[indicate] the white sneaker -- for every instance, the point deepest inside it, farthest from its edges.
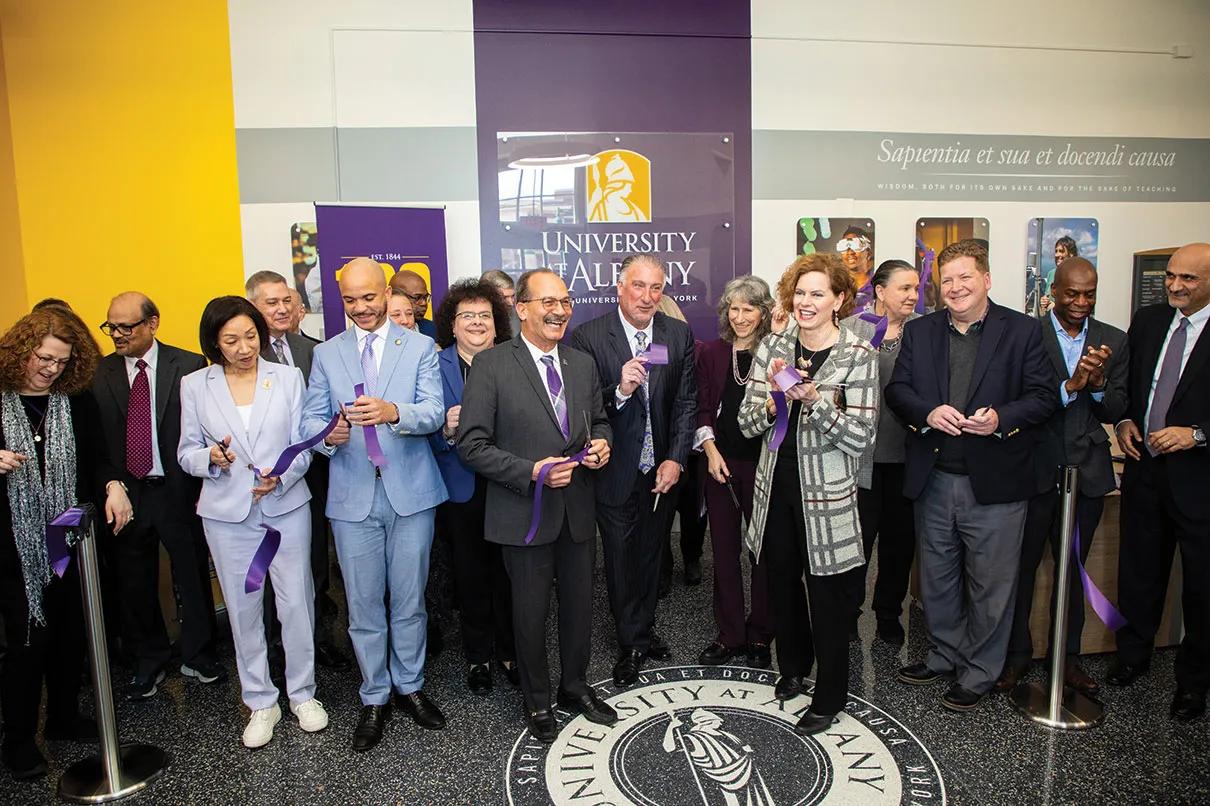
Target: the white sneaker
(260, 727)
(311, 715)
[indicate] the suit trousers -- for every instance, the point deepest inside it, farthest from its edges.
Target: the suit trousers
(693, 524)
(386, 552)
(812, 625)
(886, 515)
(1152, 528)
(632, 538)
(485, 599)
(160, 517)
(532, 571)
(1043, 524)
(969, 554)
(727, 544)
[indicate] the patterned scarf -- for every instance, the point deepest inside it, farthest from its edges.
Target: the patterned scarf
(34, 498)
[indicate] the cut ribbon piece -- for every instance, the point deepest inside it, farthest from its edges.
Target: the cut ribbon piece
(880, 326)
(291, 453)
(541, 482)
(656, 354)
(265, 553)
(373, 448)
(1101, 605)
(56, 539)
(788, 378)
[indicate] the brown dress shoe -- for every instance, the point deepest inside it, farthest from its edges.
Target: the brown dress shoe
(1077, 678)
(1009, 679)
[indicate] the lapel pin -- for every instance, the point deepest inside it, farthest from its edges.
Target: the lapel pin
(398, 342)
(268, 383)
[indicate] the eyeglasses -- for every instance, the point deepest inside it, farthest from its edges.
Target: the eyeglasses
(418, 297)
(856, 244)
(109, 328)
(470, 316)
(47, 361)
(550, 303)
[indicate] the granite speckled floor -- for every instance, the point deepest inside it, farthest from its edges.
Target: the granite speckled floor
(991, 756)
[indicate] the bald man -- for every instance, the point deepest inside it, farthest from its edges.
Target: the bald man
(412, 286)
(137, 388)
(1089, 360)
(1164, 483)
(381, 513)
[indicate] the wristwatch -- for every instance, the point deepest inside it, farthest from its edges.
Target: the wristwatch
(1199, 436)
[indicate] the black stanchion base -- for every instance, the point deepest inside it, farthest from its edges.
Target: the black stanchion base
(86, 782)
(1075, 712)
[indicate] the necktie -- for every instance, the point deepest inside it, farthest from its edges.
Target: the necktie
(556, 394)
(279, 347)
(369, 369)
(1170, 376)
(138, 424)
(647, 456)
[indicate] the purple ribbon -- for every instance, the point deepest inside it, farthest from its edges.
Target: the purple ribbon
(1104, 609)
(656, 354)
(56, 539)
(880, 326)
(265, 553)
(786, 379)
(291, 453)
(541, 482)
(372, 447)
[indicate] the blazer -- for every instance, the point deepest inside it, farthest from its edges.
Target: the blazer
(459, 479)
(301, 349)
(831, 441)
(409, 378)
(507, 424)
(1021, 388)
(1073, 435)
(111, 388)
(1188, 472)
(713, 367)
(208, 414)
(673, 390)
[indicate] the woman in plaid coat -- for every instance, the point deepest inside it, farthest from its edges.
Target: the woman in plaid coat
(805, 516)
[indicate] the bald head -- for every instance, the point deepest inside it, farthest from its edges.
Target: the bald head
(363, 290)
(1187, 279)
(134, 319)
(1074, 291)
(1075, 266)
(412, 286)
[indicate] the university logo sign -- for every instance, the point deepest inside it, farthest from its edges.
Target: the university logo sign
(716, 736)
(619, 188)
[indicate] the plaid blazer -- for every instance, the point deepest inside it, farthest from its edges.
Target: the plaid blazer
(830, 446)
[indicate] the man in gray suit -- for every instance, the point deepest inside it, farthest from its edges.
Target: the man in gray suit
(529, 403)
(274, 298)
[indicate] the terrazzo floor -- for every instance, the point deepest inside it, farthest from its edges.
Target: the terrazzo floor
(991, 756)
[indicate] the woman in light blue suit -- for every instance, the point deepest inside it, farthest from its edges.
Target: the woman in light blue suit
(236, 416)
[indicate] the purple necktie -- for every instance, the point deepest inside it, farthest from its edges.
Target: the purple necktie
(369, 367)
(138, 424)
(1165, 387)
(556, 393)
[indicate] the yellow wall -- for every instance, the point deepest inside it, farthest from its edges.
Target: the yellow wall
(123, 143)
(12, 272)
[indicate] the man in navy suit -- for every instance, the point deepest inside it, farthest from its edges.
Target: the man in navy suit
(971, 383)
(651, 409)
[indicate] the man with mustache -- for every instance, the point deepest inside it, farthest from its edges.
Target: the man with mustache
(651, 408)
(1167, 474)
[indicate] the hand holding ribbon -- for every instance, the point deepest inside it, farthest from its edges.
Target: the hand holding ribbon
(783, 378)
(373, 448)
(558, 468)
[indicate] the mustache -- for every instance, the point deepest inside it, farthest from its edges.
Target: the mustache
(555, 319)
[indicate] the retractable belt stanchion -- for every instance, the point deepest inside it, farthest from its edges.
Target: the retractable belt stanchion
(1055, 706)
(117, 770)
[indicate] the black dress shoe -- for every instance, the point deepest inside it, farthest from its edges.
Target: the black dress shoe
(811, 723)
(369, 729)
(511, 673)
(718, 653)
(659, 648)
(479, 678)
(23, 759)
(590, 705)
(1187, 706)
(788, 687)
(1009, 678)
(693, 573)
(759, 656)
(76, 729)
(958, 698)
(423, 711)
(890, 631)
(626, 670)
(542, 726)
(329, 657)
(918, 674)
(1124, 674)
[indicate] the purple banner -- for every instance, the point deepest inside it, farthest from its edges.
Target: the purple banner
(397, 237)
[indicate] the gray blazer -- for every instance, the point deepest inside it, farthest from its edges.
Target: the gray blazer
(831, 443)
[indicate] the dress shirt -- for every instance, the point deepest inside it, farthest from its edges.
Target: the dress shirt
(285, 348)
(630, 329)
(1197, 323)
(151, 357)
(380, 343)
(1073, 350)
(537, 356)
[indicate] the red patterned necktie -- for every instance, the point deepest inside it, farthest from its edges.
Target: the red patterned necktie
(138, 424)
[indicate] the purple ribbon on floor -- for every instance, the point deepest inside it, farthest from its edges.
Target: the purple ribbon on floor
(265, 553)
(291, 453)
(372, 447)
(541, 482)
(656, 354)
(786, 379)
(880, 325)
(56, 539)
(1100, 604)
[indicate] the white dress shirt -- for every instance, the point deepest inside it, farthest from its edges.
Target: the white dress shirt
(152, 357)
(631, 330)
(1197, 323)
(380, 343)
(537, 356)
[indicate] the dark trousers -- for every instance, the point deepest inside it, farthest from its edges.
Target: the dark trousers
(632, 537)
(160, 517)
(1152, 528)
(727, 542)
(531, 572)
(812, 625)
(485, 600)
(54, 651)
(886, 514)
(693, 525)
(1043, 524)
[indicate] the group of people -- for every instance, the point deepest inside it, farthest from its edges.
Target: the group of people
(819, 433)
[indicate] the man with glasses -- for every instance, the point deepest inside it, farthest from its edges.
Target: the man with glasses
(651, 407)
(412, 286)
(137, 389)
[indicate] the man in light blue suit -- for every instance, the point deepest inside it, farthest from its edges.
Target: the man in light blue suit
(382, 517)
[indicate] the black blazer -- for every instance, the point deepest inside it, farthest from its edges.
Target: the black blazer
(1011, 375)
(673, 391)
(507, 424)
(1188, 472)
(111, 388)
(301, 348)
(1073, 435)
